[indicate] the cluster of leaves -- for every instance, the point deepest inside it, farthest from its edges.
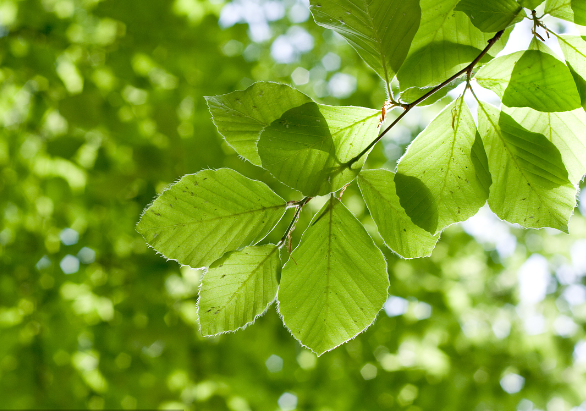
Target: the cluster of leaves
(525, 159)
(122, 331)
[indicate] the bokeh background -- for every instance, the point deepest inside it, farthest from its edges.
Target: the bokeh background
(101, 107)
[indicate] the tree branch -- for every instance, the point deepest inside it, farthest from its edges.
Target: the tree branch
(408, 107)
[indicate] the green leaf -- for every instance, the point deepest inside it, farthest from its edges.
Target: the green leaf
(335, 282)
(570, 10)
(380, 31)
(492, 16)
(530, 4)
(309, 148)
(238, 288)
(445, 43)
(574, 49)
(530, 183)
(242, 115)
(443, 177)
(206, 214)
(394, 225)
(533, 78)
(567, 131)
(579, 9)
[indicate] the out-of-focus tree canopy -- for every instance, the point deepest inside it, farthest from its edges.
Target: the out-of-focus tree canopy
(101, 107)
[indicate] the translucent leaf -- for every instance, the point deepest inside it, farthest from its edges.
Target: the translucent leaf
(309, 148)
(394, 225)
(206, 214)
(242, 115)
(443, 178)
(335, 282)
(238, 288)
(574, 49)
(567, 131)
(530, 4)
(533, 78)
(445, 43)
(570, 10)
(530, 184)
(380, 31)
(492, 16)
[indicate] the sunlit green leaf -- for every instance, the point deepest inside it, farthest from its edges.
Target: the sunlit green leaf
(567, 131)
(238, 288)
(445, 43)
(380, 31)
(309, 148)
(574, 49)
(209, 213)
(533, 78)
(530, 183)
(570, 10)
(240, 116)
(530, 4)
(443, 178)
(335, 282)
(394, 225)
(491, 16)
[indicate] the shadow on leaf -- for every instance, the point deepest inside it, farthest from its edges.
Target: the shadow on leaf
(417, 201)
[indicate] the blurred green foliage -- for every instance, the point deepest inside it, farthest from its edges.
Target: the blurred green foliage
(101, 107)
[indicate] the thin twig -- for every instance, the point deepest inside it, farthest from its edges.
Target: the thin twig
(408, 107)
(299, 205)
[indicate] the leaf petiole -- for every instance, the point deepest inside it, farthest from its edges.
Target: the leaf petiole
(299, 204)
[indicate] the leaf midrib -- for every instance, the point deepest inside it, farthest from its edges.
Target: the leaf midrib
(329, 262)
(243, 114)
(567, 4)
(451, 159)
(378, 42)
(215, 218)
(380, 193)
(260, 265)
(508, 150)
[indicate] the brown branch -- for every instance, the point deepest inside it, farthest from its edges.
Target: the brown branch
(408, 107)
